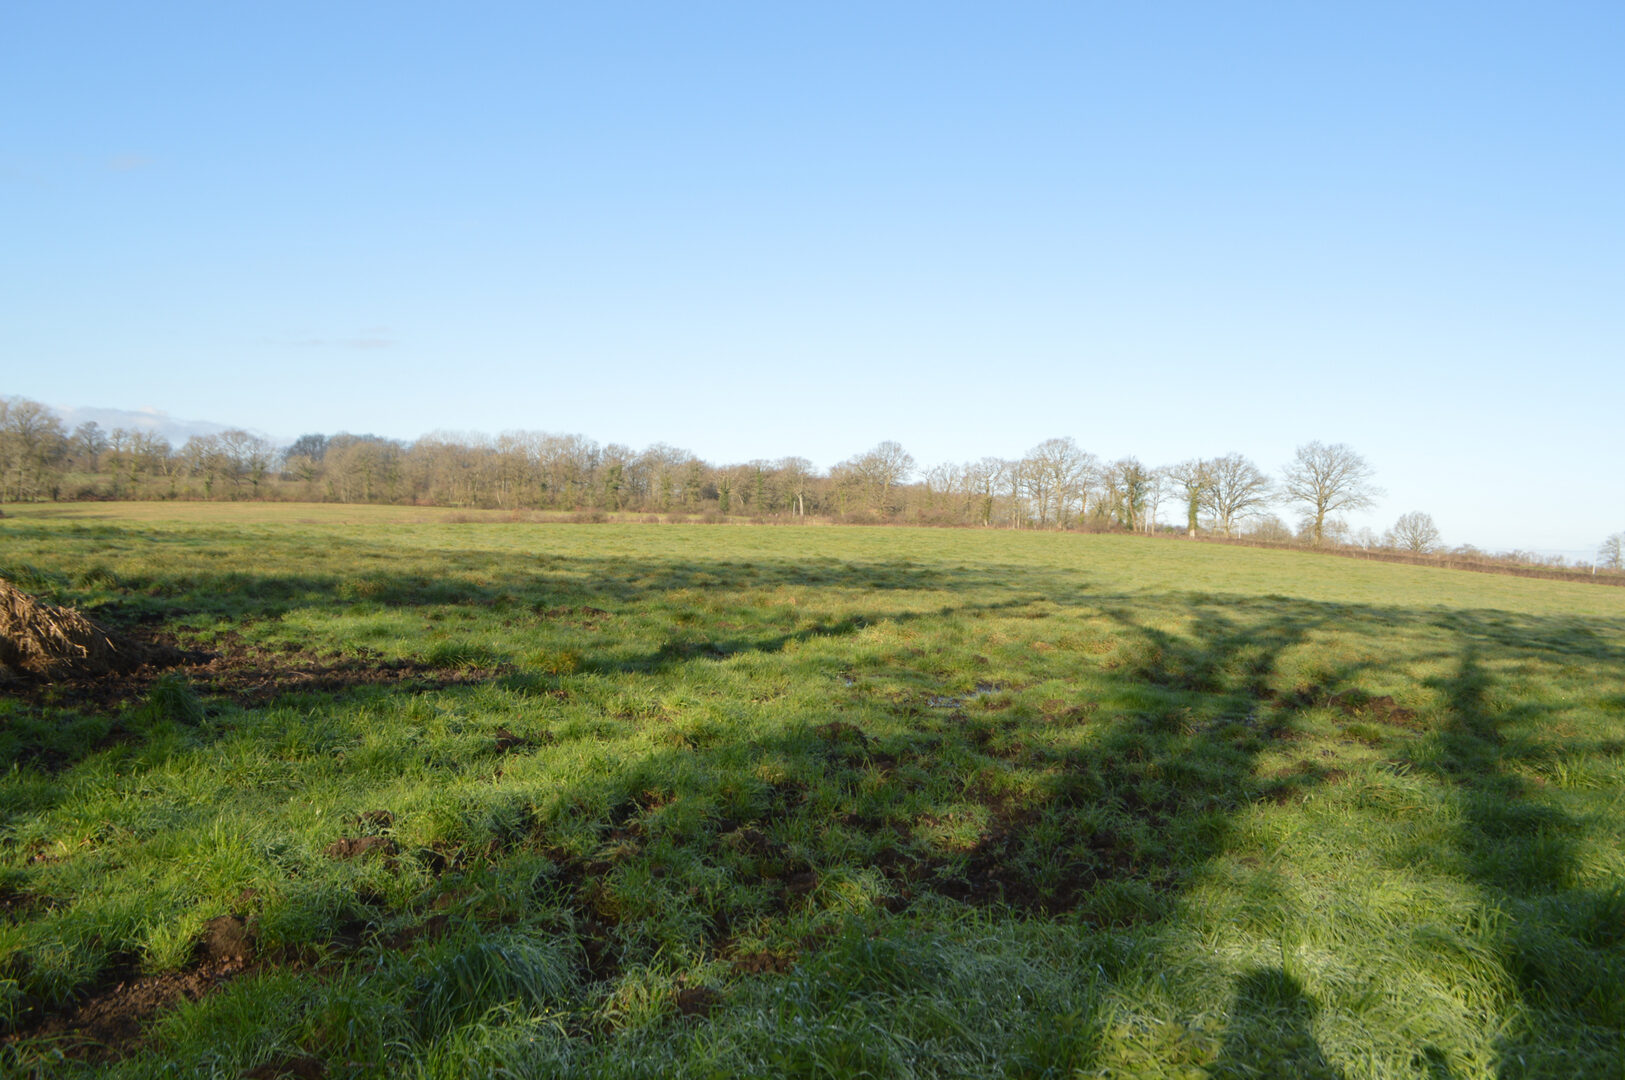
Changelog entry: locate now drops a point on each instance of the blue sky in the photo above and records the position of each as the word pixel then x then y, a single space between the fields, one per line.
pixel 760 229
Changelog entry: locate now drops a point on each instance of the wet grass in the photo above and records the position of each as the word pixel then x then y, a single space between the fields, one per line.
pixel 517 799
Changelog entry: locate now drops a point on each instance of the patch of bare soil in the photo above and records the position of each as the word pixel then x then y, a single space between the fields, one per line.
pixel 253 674
pixel 43 641
pixel 995 872
pixel 288 1067
pixel 110 1022
pixel 355 847
pixel 1383 709
pixel 696 1000
pixel 1353 703
pixel 241 671
pixel 508 741
pixel 764 963
pixel 227 940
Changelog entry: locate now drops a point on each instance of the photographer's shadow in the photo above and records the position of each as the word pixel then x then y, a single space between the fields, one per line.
pixel 1271 1032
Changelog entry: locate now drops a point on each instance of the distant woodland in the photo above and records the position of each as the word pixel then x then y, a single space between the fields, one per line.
pixel 1056 485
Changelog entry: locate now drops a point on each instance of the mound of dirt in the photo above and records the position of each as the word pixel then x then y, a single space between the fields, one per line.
pixel 356 847
pixel 50 642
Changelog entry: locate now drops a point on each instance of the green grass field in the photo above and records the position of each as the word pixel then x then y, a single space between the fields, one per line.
pixel 482 798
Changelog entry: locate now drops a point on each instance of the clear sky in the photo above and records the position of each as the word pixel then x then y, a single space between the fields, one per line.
pixel 752 230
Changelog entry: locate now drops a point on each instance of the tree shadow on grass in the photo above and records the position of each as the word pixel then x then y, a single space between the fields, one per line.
pixel 1561 946
pixel 1106 833
pixel 848 823
pixel 1107 837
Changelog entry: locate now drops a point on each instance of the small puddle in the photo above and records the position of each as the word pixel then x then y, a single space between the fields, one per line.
pixel 949 702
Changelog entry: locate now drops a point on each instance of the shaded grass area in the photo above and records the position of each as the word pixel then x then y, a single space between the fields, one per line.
pixel 811 802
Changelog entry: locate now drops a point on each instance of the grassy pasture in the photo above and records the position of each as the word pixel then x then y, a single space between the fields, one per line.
pixel 493 798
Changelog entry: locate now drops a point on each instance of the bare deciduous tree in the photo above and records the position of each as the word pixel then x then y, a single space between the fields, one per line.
pixel 795 477
pixel 879 472
pixel 1236 489
pixel 247 457
pixel 1013 477
pixel 1057 474
pixel 203 458
pixel 1611 555
pixel 939 488
pixel 89 443
pixel 362 468
pixel 301 459
pixel 1364 538
pixel 1327 478
pixel 1129 487
pixel 1191 478
pixel 982 481
pixel 661 467
pixel 32 440
pixel 1156 490
pixel 1413 532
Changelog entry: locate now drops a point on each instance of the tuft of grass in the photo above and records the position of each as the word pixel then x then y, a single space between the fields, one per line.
pixel 511 970
pixel 556 661
pixel 171 698
pixel 460 655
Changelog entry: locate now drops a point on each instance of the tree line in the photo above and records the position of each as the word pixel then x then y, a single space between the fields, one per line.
pixel 1055 485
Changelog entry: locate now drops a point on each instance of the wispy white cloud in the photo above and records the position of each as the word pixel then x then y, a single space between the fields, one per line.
pixel 128 162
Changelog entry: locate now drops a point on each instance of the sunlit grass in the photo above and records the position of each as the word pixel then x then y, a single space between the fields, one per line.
pixel 751 801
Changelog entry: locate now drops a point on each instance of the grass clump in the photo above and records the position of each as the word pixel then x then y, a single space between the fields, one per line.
pixel 172 698
pixel 512 971
pixel 461 655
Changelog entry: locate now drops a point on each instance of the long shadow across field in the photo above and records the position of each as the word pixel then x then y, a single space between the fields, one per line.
pixel 1561 946
pixel 1107 835
pixel 1107 832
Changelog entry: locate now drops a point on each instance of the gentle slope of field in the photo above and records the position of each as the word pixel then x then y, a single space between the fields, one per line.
pixel 454 798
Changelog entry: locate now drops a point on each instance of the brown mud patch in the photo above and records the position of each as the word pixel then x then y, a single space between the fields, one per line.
pixel 997 871
pixel 356 847
pixel 240 672
pixel 288 1067
pixel 227 940
pixel 763 962
pixel 1382 709
pixel 110 1023
pixel 1353 703
pixel 696 1000
pixel 111 1020
pixel 507 741
pixel 40 641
